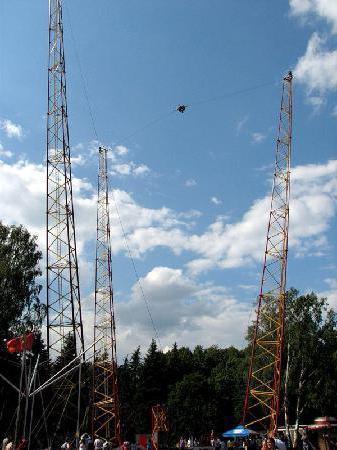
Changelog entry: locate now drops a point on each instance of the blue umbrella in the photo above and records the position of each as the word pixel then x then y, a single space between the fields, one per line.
pixel 239 431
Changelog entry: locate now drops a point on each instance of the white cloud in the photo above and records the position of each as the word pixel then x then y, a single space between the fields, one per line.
pixel 312 207
pixel 215 201
pixel 12 130
pixel 181 305
pixel 323 9
pixel 121 169
pixel 316 102
pixel 5 153
pixel 183 310
pixel 190 182
pixel 317 68
pixel 23 202
pixel 331 292
pixel 222 245
pixel 129 168
pixel 141 170
pixel 79 160
pixel 258 137
pixel 121 150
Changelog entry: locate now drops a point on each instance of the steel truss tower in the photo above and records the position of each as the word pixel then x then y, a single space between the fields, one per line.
pixel 106 416
pixel 159 425
pixel 262 401
pixel 64 320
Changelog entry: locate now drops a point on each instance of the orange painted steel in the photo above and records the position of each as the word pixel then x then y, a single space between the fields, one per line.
pixel 262 401
pixel 106 410
pixel 159 424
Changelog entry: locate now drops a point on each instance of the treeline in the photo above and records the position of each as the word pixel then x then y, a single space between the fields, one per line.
pixel 202 388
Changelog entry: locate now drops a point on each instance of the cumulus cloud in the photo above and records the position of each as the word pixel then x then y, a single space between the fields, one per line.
pixel 140 170
pixel 79 160
pixel 323 9
pixel 121 150
pixel 181 305
pixel 312 207
pixel 222 244
pixel 183 310
pixel 11 129
pixel 129 168
pixel 317 68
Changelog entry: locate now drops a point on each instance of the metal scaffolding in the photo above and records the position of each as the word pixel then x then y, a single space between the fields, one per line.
pixel 63 295
pixel 262 401
pixel 64 319
pixel 159 424
pixel 106 416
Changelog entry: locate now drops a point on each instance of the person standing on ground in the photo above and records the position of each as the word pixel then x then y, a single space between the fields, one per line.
pixel 269 444
pixel 98 444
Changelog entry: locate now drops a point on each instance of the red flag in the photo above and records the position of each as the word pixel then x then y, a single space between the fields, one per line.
pixel 21 343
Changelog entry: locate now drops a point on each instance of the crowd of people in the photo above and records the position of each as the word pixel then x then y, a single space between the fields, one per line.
pixel 85 443
pixel 255 442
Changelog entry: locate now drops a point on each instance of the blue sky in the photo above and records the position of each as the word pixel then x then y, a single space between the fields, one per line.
pixel 192 189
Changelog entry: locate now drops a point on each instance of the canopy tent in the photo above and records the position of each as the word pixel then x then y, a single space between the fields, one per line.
pixel 239 431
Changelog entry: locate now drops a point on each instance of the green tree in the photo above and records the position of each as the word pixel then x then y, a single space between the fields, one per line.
pixel 191 405
pixel 310 359
pixel 20 306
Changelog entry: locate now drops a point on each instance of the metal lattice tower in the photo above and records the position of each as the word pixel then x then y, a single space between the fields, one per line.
pixel 262 402
pixel 159 424
pixel 106 416
pixel 64 320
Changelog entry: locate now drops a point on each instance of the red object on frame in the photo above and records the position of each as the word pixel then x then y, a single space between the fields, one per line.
pixel 20 344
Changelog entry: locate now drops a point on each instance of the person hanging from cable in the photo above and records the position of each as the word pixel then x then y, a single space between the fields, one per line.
pixel 181 108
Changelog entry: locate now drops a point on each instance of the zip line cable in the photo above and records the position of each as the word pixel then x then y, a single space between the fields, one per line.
pixel 84 81
pixel 137 131
pixel 135 270
pixel 93 122
pixel 233 94
pixel 194 103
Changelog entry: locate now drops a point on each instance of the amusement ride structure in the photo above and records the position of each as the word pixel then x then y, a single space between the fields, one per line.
pixel 65 338
pixel 262 401
pixel 105 415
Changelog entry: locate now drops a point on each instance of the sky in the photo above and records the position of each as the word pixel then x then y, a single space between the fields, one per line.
pixel 192 189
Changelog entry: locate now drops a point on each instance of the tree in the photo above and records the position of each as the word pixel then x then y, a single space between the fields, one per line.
pixel 310 359
pixel 192 407
pixel 20 306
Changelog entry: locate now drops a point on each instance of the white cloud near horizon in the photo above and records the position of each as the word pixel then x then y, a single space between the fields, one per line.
pixel 184 308
pixel 221 245
pixel 184 311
